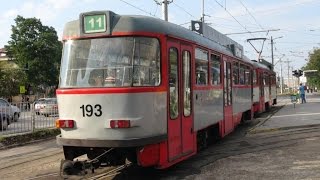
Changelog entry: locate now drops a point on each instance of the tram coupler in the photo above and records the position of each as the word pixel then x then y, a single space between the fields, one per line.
pixel 76 168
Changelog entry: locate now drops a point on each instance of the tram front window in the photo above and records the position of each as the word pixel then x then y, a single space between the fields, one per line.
pixel 110 62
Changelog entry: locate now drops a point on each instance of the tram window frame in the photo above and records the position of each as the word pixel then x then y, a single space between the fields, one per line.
pixel 215 62
pixel 235 73
pixel 201 60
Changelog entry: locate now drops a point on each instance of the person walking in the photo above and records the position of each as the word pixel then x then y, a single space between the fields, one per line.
pixel 302 93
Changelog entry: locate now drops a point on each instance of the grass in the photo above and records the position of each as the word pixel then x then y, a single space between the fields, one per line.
pixel 16 140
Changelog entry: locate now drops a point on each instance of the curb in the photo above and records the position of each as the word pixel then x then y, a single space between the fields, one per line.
pixel 253 130
pixel 257 131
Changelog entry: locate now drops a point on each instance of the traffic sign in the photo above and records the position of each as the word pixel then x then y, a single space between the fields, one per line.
pixel 22 89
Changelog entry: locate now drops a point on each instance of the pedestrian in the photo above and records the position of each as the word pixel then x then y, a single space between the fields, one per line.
pixel 302 93
pixel 28 103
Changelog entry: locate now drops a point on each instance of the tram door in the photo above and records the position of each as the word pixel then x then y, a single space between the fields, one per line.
pixel 227 89
pixel 180 124
pixel 261 91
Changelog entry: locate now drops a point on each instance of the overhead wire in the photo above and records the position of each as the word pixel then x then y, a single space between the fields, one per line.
pixel 251 15
pixel 138 8
pixel 183 9
pixel 233 17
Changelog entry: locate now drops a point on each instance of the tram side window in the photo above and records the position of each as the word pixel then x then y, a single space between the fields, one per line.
pixel 254 77
pixel 215 69
pixel 267 79
pixel 201 66
pixel 235 73
pixel 241 75
pixel 173 83
pixel 247 75
pixel 186 60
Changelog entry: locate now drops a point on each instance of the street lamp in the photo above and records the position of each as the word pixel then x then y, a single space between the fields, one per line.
pixel 272 39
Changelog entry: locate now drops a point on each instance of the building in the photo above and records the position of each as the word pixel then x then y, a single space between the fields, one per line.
pixel 3 55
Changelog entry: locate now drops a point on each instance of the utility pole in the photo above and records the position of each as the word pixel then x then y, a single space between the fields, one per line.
pixel 165 10
pixel 202 13
pixel 272 39
pixel 288 72
pixel 281 78
pixel 164 5
pixel 272 52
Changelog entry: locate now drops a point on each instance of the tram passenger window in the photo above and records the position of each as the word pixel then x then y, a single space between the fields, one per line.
pixel 247 75
pixel 186 60
pixel 254 77
pixel 215 69
pixel 173 83
pixel 241 74
pixel 235 73
pixel 202 60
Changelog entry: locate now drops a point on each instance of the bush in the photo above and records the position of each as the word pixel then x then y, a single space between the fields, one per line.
pixel 27 138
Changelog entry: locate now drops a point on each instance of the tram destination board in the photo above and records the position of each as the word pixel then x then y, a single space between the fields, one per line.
pixel 94 23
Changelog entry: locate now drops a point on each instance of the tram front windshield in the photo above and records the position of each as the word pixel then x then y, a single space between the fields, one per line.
pixel 110 62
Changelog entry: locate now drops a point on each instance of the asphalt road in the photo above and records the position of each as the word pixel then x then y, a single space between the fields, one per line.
pixel 280 153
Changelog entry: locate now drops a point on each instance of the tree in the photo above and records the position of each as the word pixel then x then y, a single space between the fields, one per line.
pixel 10 79
pixel 314 64
pixel 37 50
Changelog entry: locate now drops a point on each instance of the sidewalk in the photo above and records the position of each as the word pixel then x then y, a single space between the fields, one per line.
pixel 303 115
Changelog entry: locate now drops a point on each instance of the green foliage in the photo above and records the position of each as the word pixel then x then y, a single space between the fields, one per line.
pixel 11 78
pixel 314 64
pixel 29 137
pixel 36 48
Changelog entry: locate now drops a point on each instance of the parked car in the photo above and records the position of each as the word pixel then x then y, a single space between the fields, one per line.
pixel 37 105
pixel 16 112
pixel 49 107
pixel 6 110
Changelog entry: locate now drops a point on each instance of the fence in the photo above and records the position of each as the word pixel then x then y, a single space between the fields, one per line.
pixel 27 117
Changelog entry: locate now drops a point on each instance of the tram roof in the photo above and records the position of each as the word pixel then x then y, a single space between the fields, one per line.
pixel 137 23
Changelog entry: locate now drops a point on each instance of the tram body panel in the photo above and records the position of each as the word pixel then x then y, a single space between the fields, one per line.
pixel 146 112
pixel 241 100
pixel 208 107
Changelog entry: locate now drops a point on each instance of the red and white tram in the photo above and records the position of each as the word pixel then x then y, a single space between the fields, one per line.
pixel 152 92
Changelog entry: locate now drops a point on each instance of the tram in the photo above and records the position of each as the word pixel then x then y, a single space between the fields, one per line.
pixel 145 90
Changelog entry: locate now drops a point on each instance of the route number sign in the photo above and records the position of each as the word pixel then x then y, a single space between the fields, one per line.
pixel 94 23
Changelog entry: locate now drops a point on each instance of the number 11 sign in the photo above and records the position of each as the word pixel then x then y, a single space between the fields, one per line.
pixel 94 23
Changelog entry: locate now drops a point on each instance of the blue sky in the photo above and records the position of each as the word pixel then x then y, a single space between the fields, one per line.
pixel 298 20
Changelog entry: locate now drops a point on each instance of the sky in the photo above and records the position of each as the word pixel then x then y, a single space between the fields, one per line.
pixel 293 24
